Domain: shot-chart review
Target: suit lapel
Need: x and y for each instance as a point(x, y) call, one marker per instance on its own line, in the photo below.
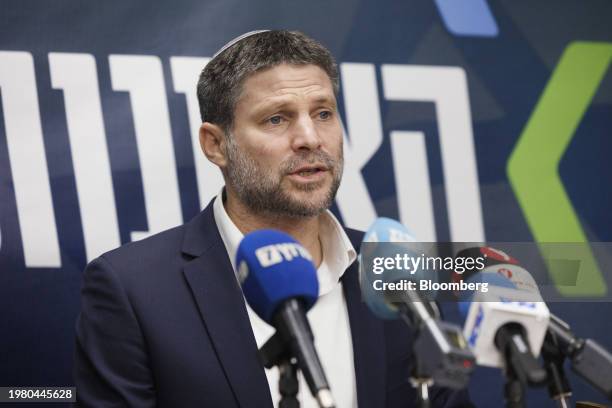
point(368, 343)
point(221, 305)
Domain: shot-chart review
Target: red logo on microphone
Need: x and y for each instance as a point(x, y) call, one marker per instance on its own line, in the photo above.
point(505, 272)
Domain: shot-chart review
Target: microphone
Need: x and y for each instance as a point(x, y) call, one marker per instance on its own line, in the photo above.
point(588, 358)
point(279, 281)
point(439, 347)
point(392, 234)
point(504, 326)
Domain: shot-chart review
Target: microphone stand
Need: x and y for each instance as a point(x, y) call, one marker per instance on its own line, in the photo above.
point(418, 379)
point(422, 383)
point(514, 389)
point(294, 343)
point(274, 353)
point(521, 367)
point(439, 354)
point(288, 385)
point(558, 385)
point(588, 358)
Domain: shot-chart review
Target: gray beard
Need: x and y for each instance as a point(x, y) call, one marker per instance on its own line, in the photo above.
point(260, 188)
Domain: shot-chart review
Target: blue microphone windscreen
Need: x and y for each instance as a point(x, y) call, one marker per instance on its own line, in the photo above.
point(385, 238)
point(388, 230)
point(272, 268)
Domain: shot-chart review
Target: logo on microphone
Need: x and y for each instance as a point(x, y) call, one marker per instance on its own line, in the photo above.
point(520, 304)
point(505, 272)
point(476, 329)
point(270, 255)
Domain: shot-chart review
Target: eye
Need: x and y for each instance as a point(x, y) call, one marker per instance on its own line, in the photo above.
point(275, 120)
point(325, 115)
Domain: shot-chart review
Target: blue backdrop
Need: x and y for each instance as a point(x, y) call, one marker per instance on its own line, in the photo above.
point(468, 120)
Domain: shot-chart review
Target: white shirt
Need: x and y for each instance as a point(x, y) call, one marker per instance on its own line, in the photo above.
point(328, 317)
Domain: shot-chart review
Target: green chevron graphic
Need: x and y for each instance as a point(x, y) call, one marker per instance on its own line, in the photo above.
point(533, 167)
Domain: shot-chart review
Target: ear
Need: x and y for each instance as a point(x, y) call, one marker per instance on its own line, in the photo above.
point(212, 140)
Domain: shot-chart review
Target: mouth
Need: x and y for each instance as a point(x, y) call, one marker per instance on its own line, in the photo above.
point(309, 173)
point(310, 170)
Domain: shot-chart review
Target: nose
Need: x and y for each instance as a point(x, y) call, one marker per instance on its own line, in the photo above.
point(305, 134)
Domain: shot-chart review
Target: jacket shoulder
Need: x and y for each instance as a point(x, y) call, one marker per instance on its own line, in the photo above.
point(155, 247)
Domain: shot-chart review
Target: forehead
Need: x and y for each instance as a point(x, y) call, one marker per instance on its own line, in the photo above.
point(286, 82)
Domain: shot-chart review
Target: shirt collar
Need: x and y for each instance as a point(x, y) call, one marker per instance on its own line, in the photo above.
point(338, 252)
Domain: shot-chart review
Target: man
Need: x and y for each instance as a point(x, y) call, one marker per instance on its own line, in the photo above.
point(163, 320)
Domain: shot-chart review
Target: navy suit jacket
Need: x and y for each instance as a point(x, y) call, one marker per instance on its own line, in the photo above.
point(163, 323)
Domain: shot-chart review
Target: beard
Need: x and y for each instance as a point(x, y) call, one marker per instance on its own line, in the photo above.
point(261, 190)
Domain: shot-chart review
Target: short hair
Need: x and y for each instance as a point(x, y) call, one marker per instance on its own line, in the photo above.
point(220, 83)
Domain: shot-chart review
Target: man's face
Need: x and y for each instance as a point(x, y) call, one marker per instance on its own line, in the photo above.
point(284, 154)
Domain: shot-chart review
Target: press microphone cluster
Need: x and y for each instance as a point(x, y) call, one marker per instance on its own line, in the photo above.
point(279, 282)
point(439, 348)
point(507, 326)
point(588, 358)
